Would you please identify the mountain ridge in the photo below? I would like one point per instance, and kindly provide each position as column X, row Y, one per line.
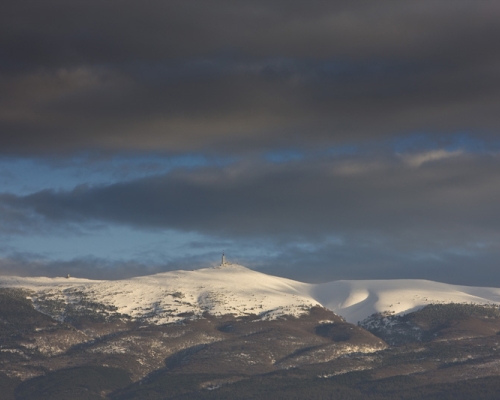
column 173, row 296
column 230, row 332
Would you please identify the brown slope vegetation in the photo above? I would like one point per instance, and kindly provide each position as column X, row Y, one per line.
column 254, row 346
column 436, row 322
column 317, row 355
column 34, row 344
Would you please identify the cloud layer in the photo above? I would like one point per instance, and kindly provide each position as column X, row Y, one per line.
column 288, row 128
column 378, row 217
column 212, row 76
column 306, row 199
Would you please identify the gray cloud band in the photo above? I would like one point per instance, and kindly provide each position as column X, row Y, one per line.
column 418, row 197
column 189, row 76
column 430, row 215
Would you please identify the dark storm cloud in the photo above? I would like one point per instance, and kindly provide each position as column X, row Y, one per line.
column 428, row 215
column 59, row 33
column 399, row 197
column 191, row 75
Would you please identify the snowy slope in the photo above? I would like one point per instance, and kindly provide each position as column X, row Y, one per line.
column 233, row 289
column 171, row 296
column 356, row 300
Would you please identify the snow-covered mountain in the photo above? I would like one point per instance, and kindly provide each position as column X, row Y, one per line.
column 233, row 289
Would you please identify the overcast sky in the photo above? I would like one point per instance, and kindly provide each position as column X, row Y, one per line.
column 313, row 140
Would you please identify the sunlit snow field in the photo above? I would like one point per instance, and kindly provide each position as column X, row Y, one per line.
column 233, row 289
